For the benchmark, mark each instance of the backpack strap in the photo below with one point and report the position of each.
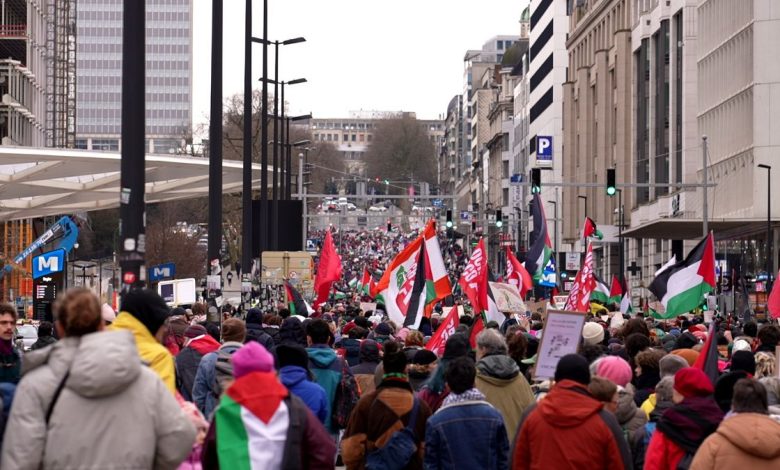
(295, 432)
(413, 417)
(56, 396)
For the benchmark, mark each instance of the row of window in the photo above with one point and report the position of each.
(171, 31)
(345, 137)
(339, 125)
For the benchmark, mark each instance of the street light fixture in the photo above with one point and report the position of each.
(769, 248)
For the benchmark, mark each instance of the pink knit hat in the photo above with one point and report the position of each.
(252, 357)
(614, 368)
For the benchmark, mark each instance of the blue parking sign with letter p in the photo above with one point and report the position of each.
(544, 149)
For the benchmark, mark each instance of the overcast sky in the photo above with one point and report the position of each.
(360, 54)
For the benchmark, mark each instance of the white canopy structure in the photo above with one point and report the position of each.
(36, 182)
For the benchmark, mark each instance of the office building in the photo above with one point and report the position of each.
(168, 74)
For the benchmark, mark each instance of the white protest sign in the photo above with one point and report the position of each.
(561, 336)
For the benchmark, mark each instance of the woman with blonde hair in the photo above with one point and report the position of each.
(89, 402)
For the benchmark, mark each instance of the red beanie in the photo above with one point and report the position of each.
(692, 382)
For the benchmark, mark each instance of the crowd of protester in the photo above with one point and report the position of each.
(154, 387)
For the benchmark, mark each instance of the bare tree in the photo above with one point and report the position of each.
(401, 150)
(164, 243)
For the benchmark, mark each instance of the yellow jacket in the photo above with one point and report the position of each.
(151, 352)
(649, 405)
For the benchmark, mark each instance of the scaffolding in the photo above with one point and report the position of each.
(61, 73)
(16, 284)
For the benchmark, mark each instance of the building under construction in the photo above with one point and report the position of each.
(37, 101)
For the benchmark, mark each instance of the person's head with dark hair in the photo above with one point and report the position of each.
(573, 367)
(292, 332)
(425, 326)
(768, 337)
(271, 319)
(466, 320)
(634, 325)
(394, 359)
(491, 325)
(750, 329)
(318, 332)
(743, 361)
(516, 343)
(591, 352)
(212, 328)
(605, 391)
(749, 397)
(45, 328)
(686, 341)
(460, 375)
(284, 313)
(357, 333)
(363, 322)
(636, 343)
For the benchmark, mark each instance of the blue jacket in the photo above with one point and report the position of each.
(327, 368)
(296, 379)
(205, 378)
(469, 434)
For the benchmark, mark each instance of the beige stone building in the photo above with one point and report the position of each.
(597, 121)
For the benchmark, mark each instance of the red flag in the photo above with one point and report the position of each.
(517, 275)
(590, 229)
(472, 276)
(584, 284)
(476, 328)
(774, 299)
(445, 330)
(328, 270)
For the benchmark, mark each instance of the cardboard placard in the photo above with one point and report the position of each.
(507, 298)
(366, 306)
(536, 307)
(560, 336)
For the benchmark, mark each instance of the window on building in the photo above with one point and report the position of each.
(354, 137)
(362, 138)
(80, 144)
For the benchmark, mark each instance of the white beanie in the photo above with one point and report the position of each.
(592, 333)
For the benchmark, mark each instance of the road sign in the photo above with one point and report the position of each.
(544, 150)
(162, 271)
(465, 215)
(48, 263)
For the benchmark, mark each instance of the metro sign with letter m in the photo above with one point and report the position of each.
(162, 271)
(48, 263)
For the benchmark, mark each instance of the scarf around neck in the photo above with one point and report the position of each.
(469, 395)
(689, 422)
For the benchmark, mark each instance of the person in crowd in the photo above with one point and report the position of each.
(350, 344)
(663, 401)
(89, 402)
(683, 427)
(667, 366)
(364, 371)
(569, 428)
(592, 334)
(613, 368)
(144, 313)
(45, 336)
(260, 424)
(743, 366)
(766, 365)
(413, 342)
(9, 354)
(434, 390)
(467, 431)
(271, 324)
(177, 325)
(768, 338)
(332, 373)
(517, 345)
(499, 379)
(747, 439)
(647, 373)
(292, 332)
(255, 331)
(383, 333)
(108, 314)
(420, 368)
(197, 344)
(605, 391)
(383, 412)
(293, 362)
(215, 371)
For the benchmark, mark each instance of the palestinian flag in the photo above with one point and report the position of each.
(681, 287)
(541, 249)
(296, 303)
(590, 229)
(437, 280)
(601, 293)
(396, 285)
(365, 282)
(615, 291)
(625, 303)
(353, 283)
(246, 413)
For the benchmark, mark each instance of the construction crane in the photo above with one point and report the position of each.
(65, 231)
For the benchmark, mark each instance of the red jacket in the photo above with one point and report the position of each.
(662, 453)
(569, 429)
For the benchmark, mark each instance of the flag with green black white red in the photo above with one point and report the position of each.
(601, 293)
(541, 248)
(615, 291)
(681, 287)
(365, 282)
(296, 303)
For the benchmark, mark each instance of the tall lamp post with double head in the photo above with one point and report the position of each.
(769, 247)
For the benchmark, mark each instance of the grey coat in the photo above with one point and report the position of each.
(113, 412)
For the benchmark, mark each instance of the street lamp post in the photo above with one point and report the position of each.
(621, 243)
(769, 247)
(215, 141)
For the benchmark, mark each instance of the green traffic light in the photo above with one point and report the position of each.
(611, 190)
(449, 224)
(536, 189)
(387, 181)
(499, 223)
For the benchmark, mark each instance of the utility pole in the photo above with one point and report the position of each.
(215, 141)
(246, 196)
(704, 172)
(133, 163)
(302, 192)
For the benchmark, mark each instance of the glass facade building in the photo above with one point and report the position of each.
(168, 74)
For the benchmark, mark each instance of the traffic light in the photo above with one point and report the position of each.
(611, 189)
(387, 181)
(499, 218)
(389, 226)
(536, 180)
(474, 226)
(449, 218)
